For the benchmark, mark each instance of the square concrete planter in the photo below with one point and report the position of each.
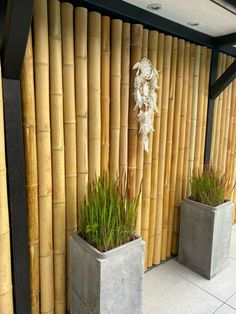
(205, 234)
(110, 282)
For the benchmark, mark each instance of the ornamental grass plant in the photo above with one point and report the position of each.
(109, 214)
(209, 187)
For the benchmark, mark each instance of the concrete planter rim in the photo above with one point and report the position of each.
(207, 207)
(105, 255)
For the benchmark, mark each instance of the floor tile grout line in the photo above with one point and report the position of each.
(218, 308)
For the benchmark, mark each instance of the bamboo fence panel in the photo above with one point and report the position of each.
(194, 109)
(69, 128)
(201, 92)
(155, 152)
(186, 177)
(116, 45)
(94, 86)
(169, 138)
(105, 93)
(6, 299)
(81, 104)
(41, 57)
(175, 140)
(29, 127)
(215, 117)
(147, 156)
(58, 156)
(135, 56)
(140, 152)
(125, 70)
(204, 120)
(181, 149)
(162, 217)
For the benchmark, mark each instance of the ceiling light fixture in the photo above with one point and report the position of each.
(154, 6)
(193, 23)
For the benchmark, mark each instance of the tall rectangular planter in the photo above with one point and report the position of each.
(110, 282)
(205, 234)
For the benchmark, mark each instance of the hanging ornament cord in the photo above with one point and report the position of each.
(145, 86)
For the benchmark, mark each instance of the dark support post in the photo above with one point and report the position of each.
(210, 108)
(17, 195)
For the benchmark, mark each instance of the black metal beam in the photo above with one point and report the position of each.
(16, 30)
(223, 81)
(226, 40)
(17, 196)
(210, 108)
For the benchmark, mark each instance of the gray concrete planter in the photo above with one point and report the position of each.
(205, 234)
(110, 282)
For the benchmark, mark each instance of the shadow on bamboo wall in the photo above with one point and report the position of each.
(79, 118)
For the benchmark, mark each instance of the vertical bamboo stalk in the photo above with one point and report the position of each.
(215, 117)
(135, 56)
(218, 122)
(58, 156)
(94, 83)
(105, 93)
(6, 301)
(155, 152)
(198, 139)
(69, 128)
(181, 149)
(188, 122)
(194, 109)
(175, 140)
(147, 157)
(162, 217)
(204, 121)
(125, 69)
(29, 127)
(81, 103)
(140, 152)
(41, 58)
(116, 43)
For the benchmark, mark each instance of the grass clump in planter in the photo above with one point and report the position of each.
(109, 214)
(209, 187)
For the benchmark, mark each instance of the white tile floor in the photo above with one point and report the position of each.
(172, 288)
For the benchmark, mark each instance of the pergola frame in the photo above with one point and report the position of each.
(15, 21)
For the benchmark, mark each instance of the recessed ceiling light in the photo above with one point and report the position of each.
(193, 23)
(234, 46)
(154, 6)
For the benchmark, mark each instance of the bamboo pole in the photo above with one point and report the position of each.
(125, 70)
(204, 121)
(218, 121)
(155, 152)
(29, 127)
(140, 152)
(223, 126)
(194, 109)
(105, 93)
(188, 123)
(116, 44)
(215, 117)
(81, 104)
(58, 156)
(94, 86)
(44, 155)
(175, 140)
(147, 157)
(135, 56)
(181, 149)
(198, 139)
(6, 300)
(69, 129)
(161, 230)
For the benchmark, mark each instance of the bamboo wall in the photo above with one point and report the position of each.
(77, 89)
(6, 300)
(223, 148)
